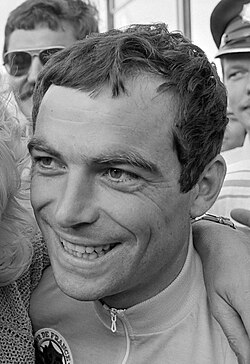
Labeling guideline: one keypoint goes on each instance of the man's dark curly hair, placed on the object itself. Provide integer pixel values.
(114, 57)
(82, 15)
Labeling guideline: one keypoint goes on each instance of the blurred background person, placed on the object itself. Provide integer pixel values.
(234, 134)
(34, 31)
(230, 27)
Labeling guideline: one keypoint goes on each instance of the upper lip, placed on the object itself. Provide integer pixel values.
(82, 241)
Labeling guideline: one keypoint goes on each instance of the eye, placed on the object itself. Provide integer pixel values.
(119, 175)
(46, 161)
(43, 161)
(115, 173)
(47, 164)
(237, 75)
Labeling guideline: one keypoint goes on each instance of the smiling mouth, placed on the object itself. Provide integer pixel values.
(86, 252)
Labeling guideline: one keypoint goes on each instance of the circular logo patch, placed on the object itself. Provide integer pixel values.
(51, 347)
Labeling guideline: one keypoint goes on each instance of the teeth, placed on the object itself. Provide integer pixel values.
(93, 256)
(89, 249)
(98, 249)
(80, 248)
(86, 252)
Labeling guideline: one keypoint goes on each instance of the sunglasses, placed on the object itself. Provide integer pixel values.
(17, 63)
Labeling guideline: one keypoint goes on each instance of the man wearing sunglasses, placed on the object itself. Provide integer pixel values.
(34, 31)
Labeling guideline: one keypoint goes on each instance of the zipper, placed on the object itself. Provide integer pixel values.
(113, 315)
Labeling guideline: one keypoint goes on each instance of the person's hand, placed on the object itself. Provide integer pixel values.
(242, 216)
(225, 255)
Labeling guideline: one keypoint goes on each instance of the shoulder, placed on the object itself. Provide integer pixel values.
(16, 339)
(40, 260)
(232, 156)
(237, 159)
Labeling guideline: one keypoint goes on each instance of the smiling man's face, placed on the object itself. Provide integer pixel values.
(106, 194)
(236, 72)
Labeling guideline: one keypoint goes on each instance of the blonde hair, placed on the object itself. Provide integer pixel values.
(15, 223)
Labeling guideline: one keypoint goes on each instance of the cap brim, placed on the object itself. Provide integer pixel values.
(222, 52)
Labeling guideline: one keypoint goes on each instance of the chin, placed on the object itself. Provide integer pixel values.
(81, 293)
(78, 288)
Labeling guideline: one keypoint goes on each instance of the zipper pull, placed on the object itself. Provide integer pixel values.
(113, 313)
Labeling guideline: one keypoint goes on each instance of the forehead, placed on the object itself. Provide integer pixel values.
(142, 119)
(235, 59)
(41, 37)
(141, 105)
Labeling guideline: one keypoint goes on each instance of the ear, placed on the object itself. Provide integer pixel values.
(208, 186)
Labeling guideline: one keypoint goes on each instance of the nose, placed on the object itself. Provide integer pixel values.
(76, 205)
(34, 70)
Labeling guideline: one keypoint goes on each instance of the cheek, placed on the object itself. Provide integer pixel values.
(42, 193)
(132, 212)
(146, 215)
(16, 82)
(231, 96)
(35, 198)
(234, 93)
(237, 130)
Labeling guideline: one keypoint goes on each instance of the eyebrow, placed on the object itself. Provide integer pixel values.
(41, 145)
(130, 157)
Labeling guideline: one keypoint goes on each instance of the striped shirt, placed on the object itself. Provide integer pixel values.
(235, 192)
